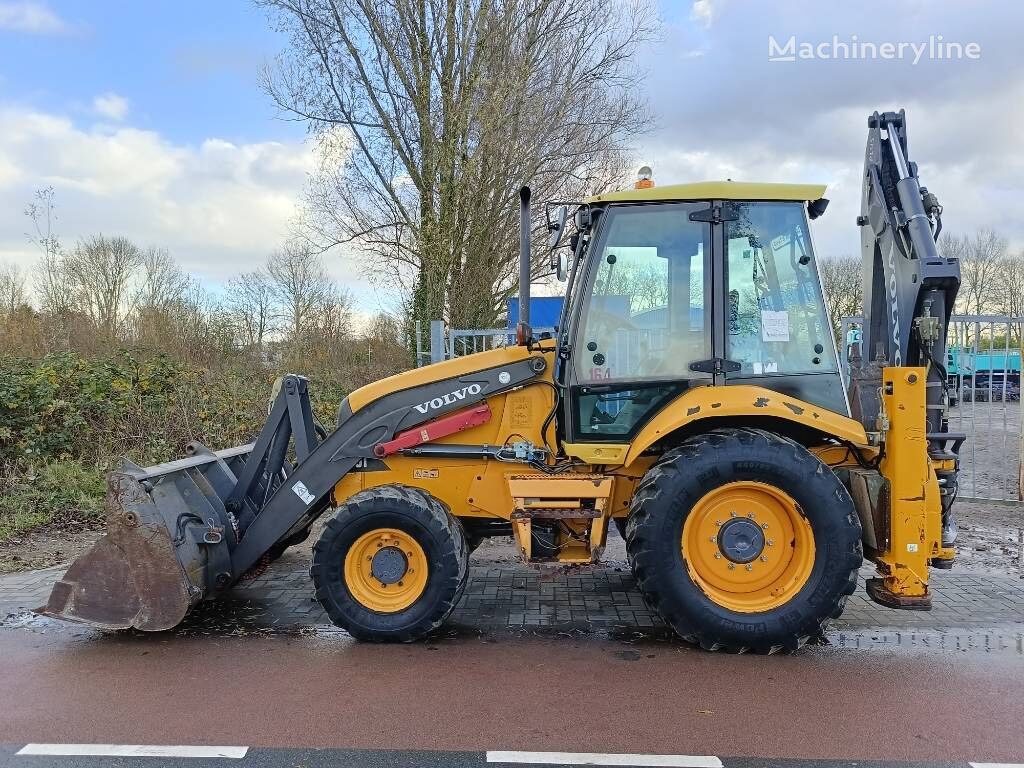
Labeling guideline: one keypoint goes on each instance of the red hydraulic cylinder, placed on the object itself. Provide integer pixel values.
(446, 425)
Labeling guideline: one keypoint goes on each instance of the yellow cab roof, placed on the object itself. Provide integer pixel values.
(714, 190)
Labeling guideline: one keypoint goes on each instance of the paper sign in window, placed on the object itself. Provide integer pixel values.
(774, 325)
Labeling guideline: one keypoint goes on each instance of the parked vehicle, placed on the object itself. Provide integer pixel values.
(991, 387)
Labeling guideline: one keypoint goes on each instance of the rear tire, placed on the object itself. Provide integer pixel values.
(730, 591)
(420, 575)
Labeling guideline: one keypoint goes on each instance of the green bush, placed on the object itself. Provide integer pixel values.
(71, 418)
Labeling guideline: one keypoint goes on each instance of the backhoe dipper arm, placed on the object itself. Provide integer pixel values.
(909, 288)
(909, 292)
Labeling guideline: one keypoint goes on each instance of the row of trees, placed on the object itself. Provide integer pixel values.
(108, 292)
(428, 117)
(992, 277)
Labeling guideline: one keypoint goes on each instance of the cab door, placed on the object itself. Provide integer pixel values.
(778, 333)
(643, 317)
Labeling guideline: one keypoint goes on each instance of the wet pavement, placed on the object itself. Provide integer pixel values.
(562, 660)
(971, 613)
(457, 693)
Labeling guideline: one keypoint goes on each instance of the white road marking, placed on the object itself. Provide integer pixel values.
(603, 758)
(996, 765)
(131, 750)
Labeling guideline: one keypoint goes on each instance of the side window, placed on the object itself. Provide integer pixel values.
(644, 316)
(643, 319)
(776, 316)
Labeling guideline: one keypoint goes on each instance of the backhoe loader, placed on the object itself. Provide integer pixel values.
(690, 395)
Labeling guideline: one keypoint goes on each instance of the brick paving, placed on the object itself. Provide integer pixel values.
(970, 611)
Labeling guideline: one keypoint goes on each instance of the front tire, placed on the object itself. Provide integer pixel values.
(744, 540)
(391, 565)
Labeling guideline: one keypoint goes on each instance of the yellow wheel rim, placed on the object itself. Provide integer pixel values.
(386, 570)
(748, 546)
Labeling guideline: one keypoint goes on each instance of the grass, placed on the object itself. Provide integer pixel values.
(54, 495)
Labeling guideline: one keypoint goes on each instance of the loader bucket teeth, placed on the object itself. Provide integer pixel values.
(131, 577)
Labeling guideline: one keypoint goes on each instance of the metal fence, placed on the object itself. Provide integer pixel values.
(446, 343)
(983, 364)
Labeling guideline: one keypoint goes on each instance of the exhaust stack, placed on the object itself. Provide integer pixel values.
(523, 328)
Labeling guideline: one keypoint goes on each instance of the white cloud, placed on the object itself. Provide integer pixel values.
(33, 17)
(729, 113)
(220, 207)
(703, 12)
(111, 106)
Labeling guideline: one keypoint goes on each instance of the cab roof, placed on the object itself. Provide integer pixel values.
(714, 190)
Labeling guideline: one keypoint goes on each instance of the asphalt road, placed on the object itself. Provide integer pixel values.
(463, 697)
(333, 758)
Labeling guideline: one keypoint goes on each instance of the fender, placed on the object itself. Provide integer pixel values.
(743, 401)
(715, 402)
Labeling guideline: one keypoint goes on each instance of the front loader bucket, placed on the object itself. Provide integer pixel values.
(147, 571)
(131, 577)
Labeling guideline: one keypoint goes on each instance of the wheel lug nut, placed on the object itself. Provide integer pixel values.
(718, 555)
(764, 526)
(764, 558)
(713, 539)
(401, 584)
(731, 566)
(732, 514)
(771, 542)
(750, 567)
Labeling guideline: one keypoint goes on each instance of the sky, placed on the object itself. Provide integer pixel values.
(147, 118)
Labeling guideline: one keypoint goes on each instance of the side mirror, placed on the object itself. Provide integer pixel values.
(557, 227)
(560, 262)
(816, 208)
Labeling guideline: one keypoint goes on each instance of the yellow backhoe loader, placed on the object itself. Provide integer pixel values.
(691, 396)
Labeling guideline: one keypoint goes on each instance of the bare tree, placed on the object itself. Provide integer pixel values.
(981, 259)
(327, 335)
(42, 213)
(1008, 288)
(429, 116)
(101, 271)
(12, 288)
(52, 288)
(843, 287)
(301, 286)
(250, 302)
(162, 283)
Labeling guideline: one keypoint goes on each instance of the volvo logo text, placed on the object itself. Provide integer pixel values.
(894, 309)
(451, 397)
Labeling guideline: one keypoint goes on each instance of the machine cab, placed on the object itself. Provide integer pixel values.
(687, 286)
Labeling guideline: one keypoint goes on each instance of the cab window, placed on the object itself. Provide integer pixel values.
(644, 317)
(775, 314)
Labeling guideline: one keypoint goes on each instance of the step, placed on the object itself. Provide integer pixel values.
(555, 513)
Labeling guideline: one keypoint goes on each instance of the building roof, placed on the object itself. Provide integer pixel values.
(714, 190)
